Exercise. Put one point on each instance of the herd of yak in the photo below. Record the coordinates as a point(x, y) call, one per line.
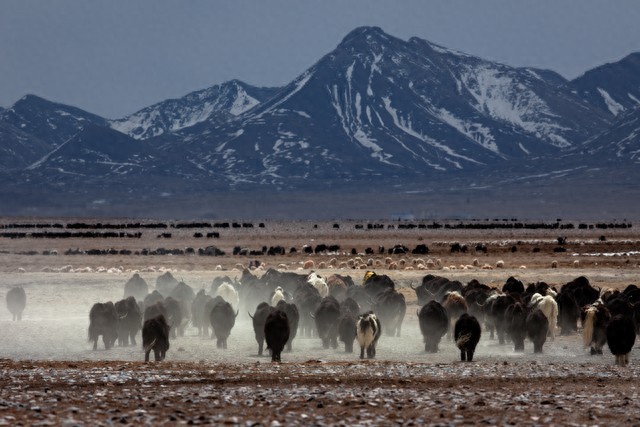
point(334, 308)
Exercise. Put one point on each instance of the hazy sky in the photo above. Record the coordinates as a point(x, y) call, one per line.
point(117, 56)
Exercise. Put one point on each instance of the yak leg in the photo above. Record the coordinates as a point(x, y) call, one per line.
point(537, 347)
point(463, 355)
point(361, 352)
point(146, 355)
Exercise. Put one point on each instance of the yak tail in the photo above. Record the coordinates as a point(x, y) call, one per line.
point(150, 345)
point(463, 340)
point(587, 326)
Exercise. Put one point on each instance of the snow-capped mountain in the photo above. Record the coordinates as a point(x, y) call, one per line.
point(217, 104)
point(405, 115)
point(33, 126)
point(50, 122)
point(613, 87)
point(380, 106)
point(619, 144)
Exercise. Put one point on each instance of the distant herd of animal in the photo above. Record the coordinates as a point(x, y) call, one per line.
point(335, 308)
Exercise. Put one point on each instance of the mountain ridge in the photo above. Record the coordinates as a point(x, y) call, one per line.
point(376, 110)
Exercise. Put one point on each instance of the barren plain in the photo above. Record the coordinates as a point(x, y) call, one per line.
point(49, 374)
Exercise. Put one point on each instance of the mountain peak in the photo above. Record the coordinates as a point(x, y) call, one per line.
point(32, 99)
point(365, 34)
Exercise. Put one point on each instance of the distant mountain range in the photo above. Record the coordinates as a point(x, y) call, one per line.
point(377, 111)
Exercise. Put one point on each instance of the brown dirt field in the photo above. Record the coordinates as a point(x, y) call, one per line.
point(313, 390)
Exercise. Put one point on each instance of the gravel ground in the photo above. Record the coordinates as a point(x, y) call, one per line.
point(317, 393)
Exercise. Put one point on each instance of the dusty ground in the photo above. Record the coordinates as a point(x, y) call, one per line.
point(50, 376)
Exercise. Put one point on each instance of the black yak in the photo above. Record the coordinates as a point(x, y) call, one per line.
point(347, 330)
point(434, 323)
point(466, 333)
point(276, 333)
point(259, 319)
point(537, 327)
point(327, 316)
point(621, 336)
point(391, 307)
point(293, 316)
point(222, 320)
point(155, 336)
point(129, 320)
point(103, 320)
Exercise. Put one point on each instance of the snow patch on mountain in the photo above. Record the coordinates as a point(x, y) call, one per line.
point(243, 102)
point(39, 163)
point(406, 127)
point(612, 105)
point(302, 81)
point(474, 131)
point(503, 98)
